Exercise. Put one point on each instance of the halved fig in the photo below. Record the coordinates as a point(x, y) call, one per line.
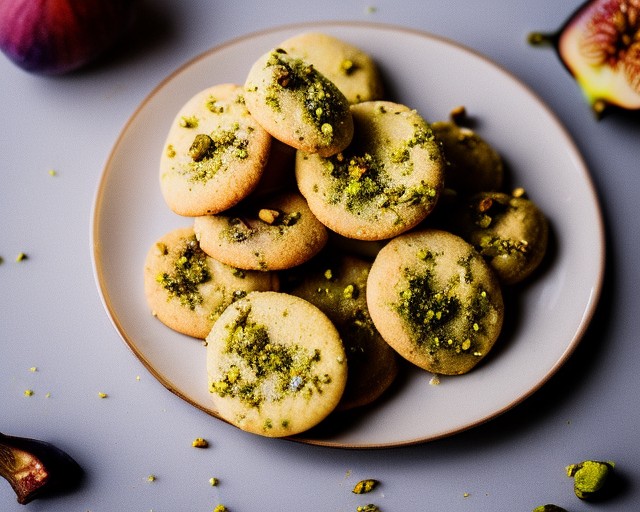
point(35, 468)
point(600, 46)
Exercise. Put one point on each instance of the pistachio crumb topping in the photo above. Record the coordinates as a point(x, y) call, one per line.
point(265, 370)
point(190, 270)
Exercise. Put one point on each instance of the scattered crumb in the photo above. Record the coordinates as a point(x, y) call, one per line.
point(102, 395)
point(33, 369)
point(21, 257)
point(47, 395)
point(435, 380)
point(371, 9)
point(365, 486)
point(214, 481)
point(465, 494)
point(28, 392)
point(1, 260)
point(151, 478)
point(53, 172)
point(199, 442)
point(137, 377)
point(220, 508)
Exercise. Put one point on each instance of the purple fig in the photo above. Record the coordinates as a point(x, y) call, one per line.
point(58, 36)
point(600, 46)
point(35, 468)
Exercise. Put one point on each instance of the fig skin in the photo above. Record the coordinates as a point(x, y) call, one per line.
point(599, 45)
point(53, 37)
point(35, 468)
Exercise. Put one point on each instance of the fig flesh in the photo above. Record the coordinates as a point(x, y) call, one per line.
point(58, 36)
point(599, 45)
point(34, 468)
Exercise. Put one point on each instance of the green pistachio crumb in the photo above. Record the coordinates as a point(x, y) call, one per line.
point(589, 476)
point(151, 478)
point(213, 481)
point(365, 486)
point(28, 392)
point(220, 508)
point(368, 508)
point(549, 508)
point(189, 122)
point(21, 257)
point(200, 442)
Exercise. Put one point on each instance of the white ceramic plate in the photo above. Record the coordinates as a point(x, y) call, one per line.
point(432, 75)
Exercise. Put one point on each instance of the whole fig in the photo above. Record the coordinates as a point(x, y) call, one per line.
point(58, 36)
point(599, 45)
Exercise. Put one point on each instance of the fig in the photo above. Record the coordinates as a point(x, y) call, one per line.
point(57, 36)
point(599, 45)
point(35, 468)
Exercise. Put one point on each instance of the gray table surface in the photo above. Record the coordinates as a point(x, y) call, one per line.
point(51, 316)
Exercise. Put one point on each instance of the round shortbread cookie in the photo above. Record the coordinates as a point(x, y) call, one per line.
point(298, 105)
point(473, 165)
point(435, 301)
point(511, 233)
point(276, 365)
point(386, 182)
point(188, 290)
point(352, 70)
point(269, 233)
point(214, 154)
point(336, 283)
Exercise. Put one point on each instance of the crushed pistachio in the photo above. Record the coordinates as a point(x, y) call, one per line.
point(220, 508)
point(28, 392)
point(52, 172)
point(348, 67)
point(102, 395)
point(33, 369)
point(589, 477)
point(365, 486)
point(200, 442)
point(324, 105)
point(190, 270)
point(213, 481)
point(549, 508)
point(287, 368)
point(268, 215)
point(189, 122)
point(368, 508)
point(171, 151)
point(21, 257)
point(151, 478)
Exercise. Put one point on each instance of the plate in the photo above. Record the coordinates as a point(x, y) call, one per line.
point(432, 75)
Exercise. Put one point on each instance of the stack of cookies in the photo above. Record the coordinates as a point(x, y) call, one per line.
point(333, 231)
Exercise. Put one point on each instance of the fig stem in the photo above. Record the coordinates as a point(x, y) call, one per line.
point(542, 38)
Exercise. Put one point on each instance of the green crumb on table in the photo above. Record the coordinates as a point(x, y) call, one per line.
point(213, 481)
point(102, 394)
point(28, 392)
point(365, 486)
point(589, 476)
point(21, 257)
point(220, 508)
point(200, 442)
point(151, 478)
point(52, 172)
point(368, 508)
point(548, 508)
point(33, 369)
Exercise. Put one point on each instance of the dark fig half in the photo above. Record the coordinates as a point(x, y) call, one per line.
point(36, 468)
point(600, 46)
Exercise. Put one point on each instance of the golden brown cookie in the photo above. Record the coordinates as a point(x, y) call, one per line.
point(298, 105)
point(435, 301)
point(214, 154)
point(336, 283)
point(386, 182)
point(473, 165)
point(275, 364)
point(352, 70)
point(268, 233)
point(187, 290)
point(510, 232)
